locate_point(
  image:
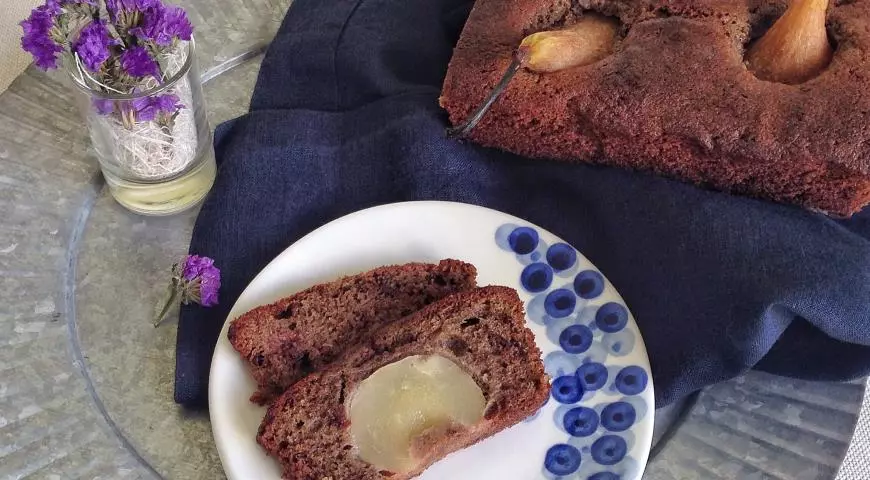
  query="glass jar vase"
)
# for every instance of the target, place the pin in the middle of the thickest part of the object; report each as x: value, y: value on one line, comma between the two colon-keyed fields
x: 154, y: 145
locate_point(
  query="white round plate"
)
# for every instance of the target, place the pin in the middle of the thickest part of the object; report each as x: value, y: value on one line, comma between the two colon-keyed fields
x: 598, y: 422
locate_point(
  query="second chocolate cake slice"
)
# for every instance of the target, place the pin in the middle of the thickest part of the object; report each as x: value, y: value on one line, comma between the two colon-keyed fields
x: 286, y: 340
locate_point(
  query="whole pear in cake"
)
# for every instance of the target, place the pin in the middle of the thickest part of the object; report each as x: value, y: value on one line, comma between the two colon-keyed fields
x: 796, y: 48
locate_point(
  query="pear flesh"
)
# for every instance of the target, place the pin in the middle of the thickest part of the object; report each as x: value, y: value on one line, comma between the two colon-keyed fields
x: 796, y: 48
x: 585, y: 42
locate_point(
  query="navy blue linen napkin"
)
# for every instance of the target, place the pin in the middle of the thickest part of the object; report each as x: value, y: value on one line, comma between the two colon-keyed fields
x: 345, y: 116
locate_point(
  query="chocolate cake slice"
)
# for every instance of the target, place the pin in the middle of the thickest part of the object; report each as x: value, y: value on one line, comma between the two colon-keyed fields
x: 286, y: 340
x: 476, y: 342
x: 676, y: 98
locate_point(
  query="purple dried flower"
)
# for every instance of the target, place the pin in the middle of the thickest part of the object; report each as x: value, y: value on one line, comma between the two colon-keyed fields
x: 93, y: 45
x: 37, y: 39
x: 146, y: 109
x: 115, y: 6
x: 196, y: 280
x: 162, y: 25
x: 137, y: 62
x: 52, y: 7
x: 194, y: 266
x: 169, y: 103
x: 202, y: 268
x: 104, y: 106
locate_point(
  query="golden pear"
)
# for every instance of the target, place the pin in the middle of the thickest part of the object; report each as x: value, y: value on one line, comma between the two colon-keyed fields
x: 585, y: 42
x: 796, y: 48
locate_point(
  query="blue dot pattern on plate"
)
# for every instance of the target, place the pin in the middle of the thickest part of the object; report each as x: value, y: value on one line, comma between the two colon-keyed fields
x: 590, y: 334
x: 536, y: 277
x: 560, y: 303
x: 566, y: 389
x: 589, y: 284
x: 562, y: 459
x: 576, y: 339
x: 523, y: 240
x: 631, y: 380
x: 561, y: 256
x: 581, y: 421
x: 618, y: 416
x: 592, y: 376
x: 611, y: 317
x: 609, y: 450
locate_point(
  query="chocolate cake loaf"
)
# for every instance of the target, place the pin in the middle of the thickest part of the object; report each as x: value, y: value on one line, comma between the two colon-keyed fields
x: 296, y: 335
x: 675, y: 97
x: 476, y: 347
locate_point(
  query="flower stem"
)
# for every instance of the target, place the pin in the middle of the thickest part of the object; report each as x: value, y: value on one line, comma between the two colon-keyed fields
x: 171, y: 298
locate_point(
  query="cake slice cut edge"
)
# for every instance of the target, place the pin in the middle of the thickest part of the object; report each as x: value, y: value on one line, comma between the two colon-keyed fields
x: 298, y: 334
x: 482, y: 331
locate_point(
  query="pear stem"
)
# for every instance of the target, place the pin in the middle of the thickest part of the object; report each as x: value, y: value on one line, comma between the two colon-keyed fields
x: 463, y: 128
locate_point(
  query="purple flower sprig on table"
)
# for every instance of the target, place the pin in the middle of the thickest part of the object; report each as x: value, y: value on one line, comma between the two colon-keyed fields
x: 195, y: 280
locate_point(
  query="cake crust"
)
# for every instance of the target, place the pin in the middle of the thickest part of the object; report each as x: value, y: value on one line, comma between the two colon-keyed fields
x: 284, y: 341
x: 483, y: 331
x: 676, y: 99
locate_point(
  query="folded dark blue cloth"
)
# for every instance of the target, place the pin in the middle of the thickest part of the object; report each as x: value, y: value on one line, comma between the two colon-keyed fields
x: 345, y: 116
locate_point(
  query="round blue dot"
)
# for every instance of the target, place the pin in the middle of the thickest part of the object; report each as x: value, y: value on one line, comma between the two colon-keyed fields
x: 562, y: 459
x: 576, y: 339
x: 536, y: 277
x: 566, y: 389
x: 561, y: 256
x: 580, y: 421
x: 523, y: 240
x: 631, y: 380
x: 609, y: 450
x: 604, y: 476
x: 591, y: 376
x: 589, y: 284
x: 560, y: 303
x: 618, y: 416
x: 611, y: 317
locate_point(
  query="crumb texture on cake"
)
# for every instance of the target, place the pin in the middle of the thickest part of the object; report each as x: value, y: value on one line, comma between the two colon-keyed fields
x: 483, y: 331
x: 286, y: 340
x: 675, y: 98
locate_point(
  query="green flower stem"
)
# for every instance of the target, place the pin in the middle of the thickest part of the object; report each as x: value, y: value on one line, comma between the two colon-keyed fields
x: 171, y: 299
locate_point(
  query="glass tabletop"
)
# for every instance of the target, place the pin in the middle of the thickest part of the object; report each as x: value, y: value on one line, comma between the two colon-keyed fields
x: 86, y: 381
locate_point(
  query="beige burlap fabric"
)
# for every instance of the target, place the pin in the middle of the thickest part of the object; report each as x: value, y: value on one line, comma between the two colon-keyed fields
x: 856, y: 466
x: 13, y: 60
